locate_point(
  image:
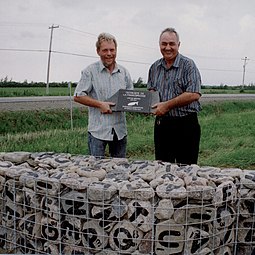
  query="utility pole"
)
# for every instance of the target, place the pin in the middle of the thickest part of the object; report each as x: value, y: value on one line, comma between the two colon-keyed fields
x: 48, y: 70
x: 244, y: 65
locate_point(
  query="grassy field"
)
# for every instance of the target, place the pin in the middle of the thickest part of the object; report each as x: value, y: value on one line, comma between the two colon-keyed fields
x: 36, y: 91
x: 228, y: 133
x: 65, y: 91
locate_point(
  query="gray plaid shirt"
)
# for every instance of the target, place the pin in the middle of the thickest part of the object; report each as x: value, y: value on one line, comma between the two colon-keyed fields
x: 98, y: 83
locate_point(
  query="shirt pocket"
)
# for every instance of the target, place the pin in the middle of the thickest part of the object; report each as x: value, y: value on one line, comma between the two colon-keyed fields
x: 178, y: 87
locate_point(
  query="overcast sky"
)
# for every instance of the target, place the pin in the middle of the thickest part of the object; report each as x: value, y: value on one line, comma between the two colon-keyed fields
x: 216, y: 34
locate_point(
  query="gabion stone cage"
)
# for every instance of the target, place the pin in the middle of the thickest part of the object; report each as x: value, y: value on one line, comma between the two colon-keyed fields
x: 63, y: 204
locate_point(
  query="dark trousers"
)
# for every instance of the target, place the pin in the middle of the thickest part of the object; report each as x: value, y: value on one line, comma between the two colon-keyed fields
x: 177, y: 139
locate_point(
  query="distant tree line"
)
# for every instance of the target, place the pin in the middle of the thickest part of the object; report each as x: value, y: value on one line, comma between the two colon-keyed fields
x: 5, y: 83
x: 226, y: 87
x: 9, y: 83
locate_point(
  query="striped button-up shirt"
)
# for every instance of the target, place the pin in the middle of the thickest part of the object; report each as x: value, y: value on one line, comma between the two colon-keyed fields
x: 97, y: 82
x: 183, y: 76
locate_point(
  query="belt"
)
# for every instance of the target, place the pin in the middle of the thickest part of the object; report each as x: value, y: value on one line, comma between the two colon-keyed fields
x: 168, y: 116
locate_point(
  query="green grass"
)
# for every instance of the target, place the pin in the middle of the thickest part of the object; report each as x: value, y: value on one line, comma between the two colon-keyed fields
x: 35, y: 91
x: 228, y: 133
x: 227, y: 91
x: 64, y: 91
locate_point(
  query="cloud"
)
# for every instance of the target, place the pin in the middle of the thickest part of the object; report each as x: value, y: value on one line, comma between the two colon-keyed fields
x: 216, y: 34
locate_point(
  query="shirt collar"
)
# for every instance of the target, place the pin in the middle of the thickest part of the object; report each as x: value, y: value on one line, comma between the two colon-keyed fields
x: 176, y: 63
x: 102, y: 67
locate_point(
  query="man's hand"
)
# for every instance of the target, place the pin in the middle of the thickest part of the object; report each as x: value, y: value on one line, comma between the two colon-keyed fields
x: 105, y: 107
x: 160, y: 108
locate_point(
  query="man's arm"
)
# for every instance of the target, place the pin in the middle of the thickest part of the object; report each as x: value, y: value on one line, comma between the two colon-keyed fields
x: 104, y: 107
x: 181, y: 100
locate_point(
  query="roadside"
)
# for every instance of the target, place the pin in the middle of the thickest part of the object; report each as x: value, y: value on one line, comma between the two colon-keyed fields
x: 47, y: 103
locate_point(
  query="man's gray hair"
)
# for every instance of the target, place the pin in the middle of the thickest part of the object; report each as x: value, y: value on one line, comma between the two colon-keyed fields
x: 170, y: 30
x: 105, y: 37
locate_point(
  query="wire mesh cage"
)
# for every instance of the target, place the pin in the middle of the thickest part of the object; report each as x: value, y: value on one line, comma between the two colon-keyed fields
x: 63, y: 204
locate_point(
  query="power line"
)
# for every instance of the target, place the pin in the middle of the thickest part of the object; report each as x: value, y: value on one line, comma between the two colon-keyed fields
x: 94, y: 35
x: 77, y: 30
x: 220, y: 70
x: 25, y: 50
x: 121, y: 60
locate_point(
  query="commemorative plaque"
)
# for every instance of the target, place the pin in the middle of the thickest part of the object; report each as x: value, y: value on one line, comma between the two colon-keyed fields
x: 134, y: 101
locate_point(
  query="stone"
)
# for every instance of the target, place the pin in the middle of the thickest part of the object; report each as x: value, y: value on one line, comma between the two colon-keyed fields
x: 224, y: 251
x: 81, y: 183
x: 90, y: 172
x: 99, y: 191
x: 119, y: 207
x: 51, y: 229
x: 140, y: 214
x: 6, y: 164
x: 125, y: 237
x: 248, y: 179
x: 28, y: 246
x: 225, y: 216
x: 50, y: 207
x: 201, y: 193
x: 206, y: 251
x: 164, y: 210
x: 30, y: 225
x: 185, y: 171
x: 32, y: 201
x: 246, y: 231
x: 137, y: 189
x: 146, y: 245
x: 46, y: 185
x: 224, y: 236
x: 94, y: 238
x: 193, y: 214
x: 75, y: 204
x: 171, y: 190
x: 16, y: 171
x: 2, y: 182
x: 105, y: 216
x: 206, y: 171
x: 168, y: 178
x: 71, y: 231
x: 18, y: 157
x: 195, y: 181
x: 12, y: 192
x: 225, y: 192
x: 30, y: 178
x: 51, y: 248
x: 12, y: 214
x: 233, y: 172
x: 70, y: 250
x: 54, y: 160
x: 169, y: 238
x: 146, y: 171
x: 197, y: 240
x: 247, y: 204
x: 117, y: 175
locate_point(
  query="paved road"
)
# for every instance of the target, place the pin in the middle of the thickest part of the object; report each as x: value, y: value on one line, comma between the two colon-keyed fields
x: 56, y: 102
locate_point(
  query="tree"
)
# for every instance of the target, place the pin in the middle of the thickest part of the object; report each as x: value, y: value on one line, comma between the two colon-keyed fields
x: 139, y: 83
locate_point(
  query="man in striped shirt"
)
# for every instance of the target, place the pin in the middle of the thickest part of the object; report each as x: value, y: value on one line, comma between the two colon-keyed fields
x: 178, y: 81
x: 98, y: 82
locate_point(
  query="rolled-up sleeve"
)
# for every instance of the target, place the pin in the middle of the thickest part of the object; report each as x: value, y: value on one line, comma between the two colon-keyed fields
x: 84, y: 85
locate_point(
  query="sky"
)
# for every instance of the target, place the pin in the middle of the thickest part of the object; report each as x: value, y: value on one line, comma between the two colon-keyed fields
x: 218, y: 35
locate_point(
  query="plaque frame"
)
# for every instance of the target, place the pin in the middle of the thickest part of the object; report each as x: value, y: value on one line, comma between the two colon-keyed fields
x: 134, y: 101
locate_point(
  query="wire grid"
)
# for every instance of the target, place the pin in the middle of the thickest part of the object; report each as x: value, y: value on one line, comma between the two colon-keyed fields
x: 45, y: 217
